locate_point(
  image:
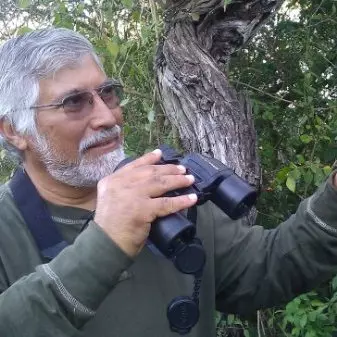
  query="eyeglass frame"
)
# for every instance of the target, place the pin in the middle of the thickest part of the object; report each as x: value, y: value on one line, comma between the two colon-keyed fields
x: 109, y: 82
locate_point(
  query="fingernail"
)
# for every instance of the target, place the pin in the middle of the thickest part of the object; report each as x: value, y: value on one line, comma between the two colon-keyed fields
x: 193, y: 196
x: 157, y: 151
x: 190, y: 178
x: 181, y: 168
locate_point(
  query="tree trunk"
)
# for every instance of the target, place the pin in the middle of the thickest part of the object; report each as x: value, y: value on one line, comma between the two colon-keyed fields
x: 211, y: 117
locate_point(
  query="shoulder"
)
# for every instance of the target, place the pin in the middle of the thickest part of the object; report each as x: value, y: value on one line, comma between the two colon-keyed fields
x: 11, y: 221
x: 18, y: 252
x: 4, y: 191
x: 7, y: 202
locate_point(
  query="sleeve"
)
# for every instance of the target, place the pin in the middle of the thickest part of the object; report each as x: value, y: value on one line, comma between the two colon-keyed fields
x: 61, y: 296
x: 257, y: 268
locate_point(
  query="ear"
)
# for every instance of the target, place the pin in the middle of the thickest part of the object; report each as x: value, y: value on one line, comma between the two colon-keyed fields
x: 11, y: 135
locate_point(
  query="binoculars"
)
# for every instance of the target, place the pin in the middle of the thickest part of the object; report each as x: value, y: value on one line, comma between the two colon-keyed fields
x: 174, y: 235
x: 214, y: 181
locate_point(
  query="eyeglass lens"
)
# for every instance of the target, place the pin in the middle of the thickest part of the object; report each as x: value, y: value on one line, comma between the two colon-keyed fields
x: 110, y: 94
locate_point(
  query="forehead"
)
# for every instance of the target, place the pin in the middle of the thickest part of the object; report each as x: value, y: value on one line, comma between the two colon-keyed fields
x: 86, y: 75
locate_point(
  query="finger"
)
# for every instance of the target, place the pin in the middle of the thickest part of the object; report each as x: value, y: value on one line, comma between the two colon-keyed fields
x: 168, y: 205
x: 149, y: 173
x: 157, y: 186
x: 150, y: 158
x: 153, y: 172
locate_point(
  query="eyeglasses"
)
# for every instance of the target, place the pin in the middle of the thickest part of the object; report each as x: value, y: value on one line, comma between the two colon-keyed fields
x: 111, y: 94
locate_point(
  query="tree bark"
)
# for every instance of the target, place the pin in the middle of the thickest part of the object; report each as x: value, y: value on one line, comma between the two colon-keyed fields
x: 211, y: 117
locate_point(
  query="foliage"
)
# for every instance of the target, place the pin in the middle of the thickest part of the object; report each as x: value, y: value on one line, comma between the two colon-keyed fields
x: 289, y: 72
x: 308, y: 316
x: 232, y: 326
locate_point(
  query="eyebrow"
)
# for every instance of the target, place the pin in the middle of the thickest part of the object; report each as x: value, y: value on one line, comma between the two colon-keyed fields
x: 70, y: 92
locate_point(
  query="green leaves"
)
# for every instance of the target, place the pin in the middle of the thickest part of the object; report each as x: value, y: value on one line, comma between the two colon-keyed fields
x: 327, y: 170
x: 291, y: 184
x: 127, y: 3
x: 268, y: 115
x: 306, y: 139
x: 307, y: 315
x: 233, y: 323
x: 300, y: 176
x: 23, y: 30
x: 24, y: 3
x: 112, y: 47
x: 292, y: 177
x: 308, y: 177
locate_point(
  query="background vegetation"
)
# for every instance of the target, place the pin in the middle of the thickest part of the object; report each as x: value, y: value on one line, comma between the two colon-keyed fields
x: 289, y: 70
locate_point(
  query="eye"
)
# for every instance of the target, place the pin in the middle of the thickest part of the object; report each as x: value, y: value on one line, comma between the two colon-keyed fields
x: 76, y: 102
x: 107, y: 91
x: 110, y: 94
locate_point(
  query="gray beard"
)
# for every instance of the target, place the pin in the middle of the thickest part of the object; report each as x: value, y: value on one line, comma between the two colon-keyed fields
x: 83, y: 172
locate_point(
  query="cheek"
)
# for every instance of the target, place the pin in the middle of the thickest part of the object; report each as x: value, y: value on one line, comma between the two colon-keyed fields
x: 69, y: 141
x: 64, y: 139
x: 59, y: 129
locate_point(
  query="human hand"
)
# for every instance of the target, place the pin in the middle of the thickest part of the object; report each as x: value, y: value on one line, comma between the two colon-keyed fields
x: 130, y: 199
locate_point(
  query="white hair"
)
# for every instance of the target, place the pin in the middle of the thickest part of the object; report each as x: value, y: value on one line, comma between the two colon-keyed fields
x: 26, y: 59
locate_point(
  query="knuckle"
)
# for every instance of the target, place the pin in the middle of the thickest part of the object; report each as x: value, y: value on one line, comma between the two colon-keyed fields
x: 154, y: 170
x: 156, y: 179
x: 164, y: 182
x: 168, y: 204
x: 150, y: 170
x: 161, y: 181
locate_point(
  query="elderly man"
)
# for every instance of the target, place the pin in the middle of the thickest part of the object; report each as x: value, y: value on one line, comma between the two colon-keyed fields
x: 60, y: 115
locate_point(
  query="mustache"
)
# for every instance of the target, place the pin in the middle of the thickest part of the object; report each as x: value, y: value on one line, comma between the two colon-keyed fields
x: 99, y: 137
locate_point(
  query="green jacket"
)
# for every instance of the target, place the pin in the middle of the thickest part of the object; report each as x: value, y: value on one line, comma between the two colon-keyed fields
x: 93, y: 289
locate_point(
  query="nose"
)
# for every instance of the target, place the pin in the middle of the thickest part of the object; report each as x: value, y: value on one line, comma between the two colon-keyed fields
x: 103, y: 117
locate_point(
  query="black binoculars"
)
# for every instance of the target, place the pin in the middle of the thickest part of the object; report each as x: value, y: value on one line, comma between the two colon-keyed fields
x: 214, y: 181
x: 175, y: 235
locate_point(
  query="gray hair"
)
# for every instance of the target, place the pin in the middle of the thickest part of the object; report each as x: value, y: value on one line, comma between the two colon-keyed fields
x: 26, y: 59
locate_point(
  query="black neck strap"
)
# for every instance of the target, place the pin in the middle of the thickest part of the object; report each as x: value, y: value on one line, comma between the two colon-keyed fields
x: 36, y: 215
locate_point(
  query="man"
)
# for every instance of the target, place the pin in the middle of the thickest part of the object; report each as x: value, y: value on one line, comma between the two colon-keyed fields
x: 60, y: 115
